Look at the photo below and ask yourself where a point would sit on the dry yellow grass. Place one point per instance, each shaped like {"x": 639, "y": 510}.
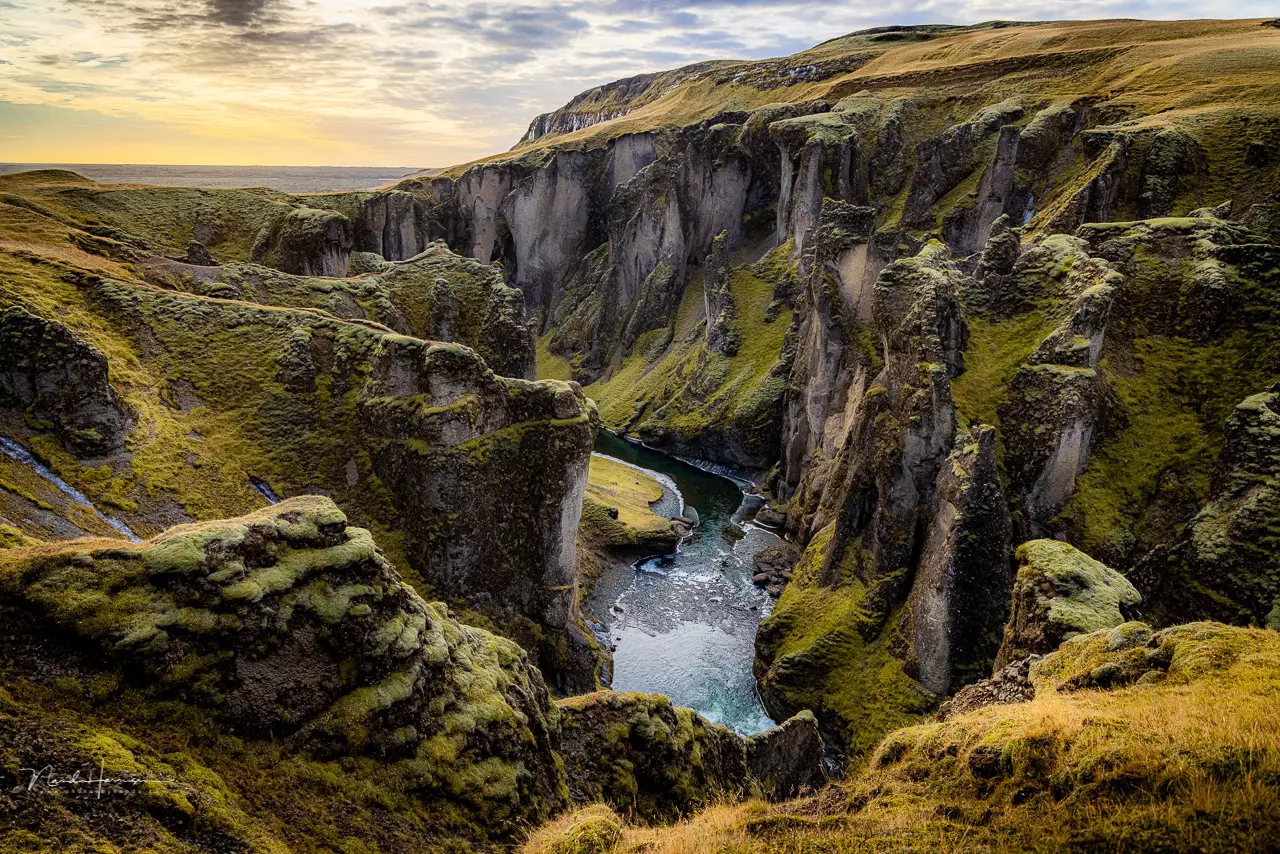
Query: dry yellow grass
{"x": 1189, "y": 761}
{"x": 1159, "y": 70}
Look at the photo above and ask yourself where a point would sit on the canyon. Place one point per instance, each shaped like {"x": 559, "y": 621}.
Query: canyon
{"x": 985, "y": 318}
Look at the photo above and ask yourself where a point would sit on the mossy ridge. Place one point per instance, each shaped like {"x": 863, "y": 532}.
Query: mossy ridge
{"x": 468, "y": 716}
{"x": 640, "y": 754}
{"x": 811, "y": 654}
{"x": 435, "y": 296}
{"x": 1176, "y": 373}
{"x": 165, "y": 219}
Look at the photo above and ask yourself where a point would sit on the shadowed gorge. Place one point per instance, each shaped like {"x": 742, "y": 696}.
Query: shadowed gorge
{"x": 918, "y": 392}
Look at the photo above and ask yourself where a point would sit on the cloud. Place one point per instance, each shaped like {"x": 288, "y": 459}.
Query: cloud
{"x": 420, "y": 81}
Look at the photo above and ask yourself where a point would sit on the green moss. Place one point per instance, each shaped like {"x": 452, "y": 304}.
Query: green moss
{"x": 1086, "y": 595}
{"x": 996, "y": 349}
{"x": 814, "y": 656}
{"x": 672, "y": 384}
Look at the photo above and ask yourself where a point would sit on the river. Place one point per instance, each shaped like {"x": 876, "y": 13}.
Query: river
{"x": 684, "y": 624}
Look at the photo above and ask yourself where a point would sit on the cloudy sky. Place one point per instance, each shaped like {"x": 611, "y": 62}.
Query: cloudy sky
{"x": 394, "y": 82}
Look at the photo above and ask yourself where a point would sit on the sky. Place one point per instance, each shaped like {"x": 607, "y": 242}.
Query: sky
{"x": 415, "y": 83}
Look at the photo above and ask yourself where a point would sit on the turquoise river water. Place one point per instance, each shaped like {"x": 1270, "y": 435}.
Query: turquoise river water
{"x": 684, "y": 624}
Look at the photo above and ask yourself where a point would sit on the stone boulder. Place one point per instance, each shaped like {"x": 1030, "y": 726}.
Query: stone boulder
{"x": 1058, "y": 593}
{"x": 61, "y": 381}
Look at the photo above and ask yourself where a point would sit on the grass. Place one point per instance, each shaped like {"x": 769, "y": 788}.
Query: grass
{"x": 627, "y": 490}
{"x": 549, "y": 365}
{"x": 1187, "y": 761}
{"x": 811, "y": 654}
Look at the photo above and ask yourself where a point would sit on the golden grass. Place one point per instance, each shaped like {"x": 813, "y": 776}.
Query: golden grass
{"x": 1188, "y": 763}
{"x": 629, "y": 491}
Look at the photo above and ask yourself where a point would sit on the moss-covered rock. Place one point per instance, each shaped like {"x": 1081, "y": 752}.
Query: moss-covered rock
{"x": 54, "y": 378}
{"x": 1061, "y": 592}
{"x": 1228, "y": 565}
{"x": 306, "y": 241}
{"x": 643, "y": 756}
{"x": 288, "y": 623}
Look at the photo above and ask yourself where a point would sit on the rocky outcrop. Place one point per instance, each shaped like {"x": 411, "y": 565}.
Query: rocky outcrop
{"x": 787, "y": 760}
{"x": 306, "y": 241}
{"x": 1058, "y": 400}
{"x": 903, "y": 431}
{"x": 773, "y": 567}
{"x": 395, "y": 225}
{"x": 436, "y": 296}
{"x": 836, "y": 355}
{"x": 288, "y": 623}
{"x": 445, "y": 433}
{"x": 722, "y": 336}
{"x": 61, "y": 382}
{"x": 1011, "y": 684}
{"x": 638, "y": 752}
{"x": 1227, "y": 565}
{"x": 1060, "y": 592}
{"x": 960, "y": 595}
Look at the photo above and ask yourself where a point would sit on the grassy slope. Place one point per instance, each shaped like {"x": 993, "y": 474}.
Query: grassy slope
{"x": 671, "y": 383}
{"x": 627, "y": 490}
{"x": 1196, "y": 72}
{"x": 1186, "y": 761}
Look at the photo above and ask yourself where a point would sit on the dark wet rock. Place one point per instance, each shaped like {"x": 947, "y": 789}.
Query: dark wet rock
{"x": 787, "y": 759}
{"x": 1061, "y": 592}
{"x": 771, "y": 518}
{"x": 61, "y": 383}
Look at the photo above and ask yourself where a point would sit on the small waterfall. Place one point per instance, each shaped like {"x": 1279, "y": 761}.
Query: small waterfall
{"x": 16, "y": 452}
{"x": 264, "y": 489}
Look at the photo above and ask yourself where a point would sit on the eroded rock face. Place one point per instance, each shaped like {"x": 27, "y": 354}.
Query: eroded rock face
{"x": 1060, "y": 592}
{"x": 638, "y": 752}
{"x": 306, "y": 241}
{"x": 1228, "y": 567}
{"x": 960, "y": 595}
{"x": 787, "y": 759}
{"x": 718, "y": 300}
{"x": 395, "y": 225}
{"x": 290, "y": 623}
{"x": 446, "y": 433}
{"x": 59, "y": 379}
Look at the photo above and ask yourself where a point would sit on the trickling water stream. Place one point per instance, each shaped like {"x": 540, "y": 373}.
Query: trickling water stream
{"x": 16, "y": 452}
{"x": 684, "y": 624}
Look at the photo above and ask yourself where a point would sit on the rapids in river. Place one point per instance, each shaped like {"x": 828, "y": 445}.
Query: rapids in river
{"x": 684, "y": 624}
